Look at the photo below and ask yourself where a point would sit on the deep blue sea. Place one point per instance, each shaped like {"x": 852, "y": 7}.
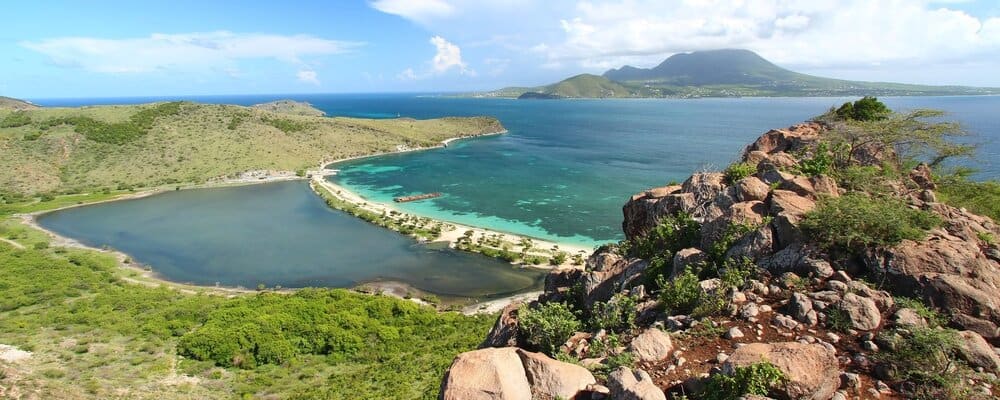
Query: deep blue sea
{"x": 566, "y": 167}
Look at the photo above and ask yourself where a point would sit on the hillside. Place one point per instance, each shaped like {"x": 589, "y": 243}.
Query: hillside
{"x": 290, "y": 107}
{"x": 8, "y": 103}
{"x": 580, "y": 86}
{"x": 822, "y": 265}
{"x": 108, "y": 147}
{"x": 723, "y": 73}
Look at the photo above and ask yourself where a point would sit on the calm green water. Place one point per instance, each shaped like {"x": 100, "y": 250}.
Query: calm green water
{"x": 277, "y": 234}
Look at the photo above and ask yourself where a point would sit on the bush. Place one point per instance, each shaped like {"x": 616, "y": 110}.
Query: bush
{"x": 558, "y": 258}
{"x": 855, "y": 222}
{"x": 682, "y": 294}
{"x": 923, "y": 356}
{"x": 737, "y": 171}
{"x": 867, "y": 109}
{"x": 982, "y": 198}
{"x": 933, "y": 317}
{"x": 15, "y": 119}
{"x": 615, "y": 315}
{"x": 819, "y": 163}
{"x": 754, "y": 379}
{"x": 671, "y": 234}
{"x": 548, "y": 326}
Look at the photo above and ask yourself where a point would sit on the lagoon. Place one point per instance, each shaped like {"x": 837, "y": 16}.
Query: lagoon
{"x": 277, "y": 234}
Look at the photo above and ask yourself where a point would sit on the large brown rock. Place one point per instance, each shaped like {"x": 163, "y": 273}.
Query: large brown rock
{"x": 486, "y": 374}
{"x": 825, "y": 186}
{"x": 626, "y": 384}
{"x": 789, "y": 202}
{"x": 606, "y": 274}
{"x": 788, "y": 140}
{"x": 801, "y": 185}
{"x": 810, "y": 369}
{"x": 974, "y": 349}
{"x": 504, "y": 331}
{"x": 862, "y": 312}
{"x": 552, "y": 379}
{"x": 652, "y": 345}
{"x": 687, "y": 257}
{"x": 755, "y": 245}
{"x": 752, "y": 188}
{"x": 704, "y": 186}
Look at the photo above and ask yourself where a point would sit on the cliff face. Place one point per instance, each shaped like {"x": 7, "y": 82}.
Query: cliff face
{"x": 806, "y": 309}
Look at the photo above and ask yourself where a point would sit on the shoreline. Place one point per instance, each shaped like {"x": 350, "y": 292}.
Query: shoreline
{"x": 148, "y": 277}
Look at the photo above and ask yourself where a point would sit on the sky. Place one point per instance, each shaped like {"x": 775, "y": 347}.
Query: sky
{"x": 52, "y": 49}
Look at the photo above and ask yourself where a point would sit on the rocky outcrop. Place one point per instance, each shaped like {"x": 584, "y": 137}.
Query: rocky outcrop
{"x": 811, "y": 371}
{"x": 803, "y": 310}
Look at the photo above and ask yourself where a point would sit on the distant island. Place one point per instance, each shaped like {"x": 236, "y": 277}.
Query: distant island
{"x": 718, "y": 73}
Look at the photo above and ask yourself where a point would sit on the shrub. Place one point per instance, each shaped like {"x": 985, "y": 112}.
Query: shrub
{"x": 736, "y": 171}
{"x": 819, "y": 163}
{"x": 855, "y": 221}
{"x": 615, "y": 315}
{"x": 837, "y": 319}
{"x": 737, "y": 273}
{"x": 548, "y": 326}
{"x": 682, "y": 294}
{"x": 672, "y": 233}
{"x": 933, "y": 317}
{"x": 558, "y": 258}
{"x": 923, "y": 356}
{"x": 15, "y": 119}
{"x": 733, "y": 232}
{"x": 754, "y": 379}
{"x": 982, "y": 198}
{"x": 867, "y": 109}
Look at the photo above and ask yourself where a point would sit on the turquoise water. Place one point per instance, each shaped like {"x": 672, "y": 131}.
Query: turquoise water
{"x": 565, "y": 168}
{"x": 277, "y": 234}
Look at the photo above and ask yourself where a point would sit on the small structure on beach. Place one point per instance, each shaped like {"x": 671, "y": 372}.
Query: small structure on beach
{"x": 406, "y": 199}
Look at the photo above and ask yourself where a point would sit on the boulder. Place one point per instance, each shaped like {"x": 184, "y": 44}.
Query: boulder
{"x": 686, "y": 257}
{"x": 974, "y": 349}
{"x": 652, "y": 345}
{"x": 504, "y": 331}
{"x": 607, "y": 274}
{"x": 626, "y": 384}
{"x": 788, "y": 140}
{"x": 801, "y": 185}
{"x": 825, "y": 186}
{"x": 554, "y": 379}
{"x": 559, "y": 282}
{"x": 810, "y": 369}
{"x": 862, "y": 312}
{"x": 791, "y": 203}
{"x": 923, "y": 177}
{"x": 782, "y": 160}
{"x": 755, "y": 245}
{"x": 988, "y": 330}
{"x": 486, "y": 374}
{"x": 799, "y": 307}
{"x": 752, "y": 188}
{"x": 704, "y": 186}
{"x": 908, "y": 317}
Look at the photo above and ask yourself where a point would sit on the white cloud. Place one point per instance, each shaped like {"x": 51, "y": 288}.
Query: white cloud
{"x": 794, "y": 32}
{"x": 448, "y": 56}
{"x": 308, "y": 76}
{"x": 408, "y": 75}
{"x": 420, "y": 11}
{"x": 220, "y": 51}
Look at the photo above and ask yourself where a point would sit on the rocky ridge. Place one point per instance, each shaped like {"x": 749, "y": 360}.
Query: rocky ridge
{"x": 814, "y": 316}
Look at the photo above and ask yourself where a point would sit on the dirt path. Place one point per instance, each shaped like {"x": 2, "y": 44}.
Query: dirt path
{"x": 12, "y": 243}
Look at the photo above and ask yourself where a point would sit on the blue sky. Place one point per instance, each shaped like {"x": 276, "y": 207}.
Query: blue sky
{"x": 127, "y": 48}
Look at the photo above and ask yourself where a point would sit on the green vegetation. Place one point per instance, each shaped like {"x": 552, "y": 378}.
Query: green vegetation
{"x": 856, "y": 221}
{"x": 681, "y": 294}
{"x": 866, "y": 109}
{"x": 819, "y": 163}
{"x": 737, "y": 171}
{"x": 95, "y": 334}
{"x": 547, "y": 326}
{"x": 982, "y": 198}
{"x": 580, "y": 86}
{"x": 615, "y": 315}
{"x": 78, "y": 150}
{"x": 927, "y": 358}
{"x": 754, "y": 379}
{"x": 934, "y": 318}
{"x": 15, "y": 119}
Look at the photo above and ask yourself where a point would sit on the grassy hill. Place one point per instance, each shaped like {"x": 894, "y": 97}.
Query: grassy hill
{"x": 76, "y": 149}
{"x": 581, "y": 86}
{"x": 722, "y": 73}
{"x": 290, "y": 107}
{"x": 7, "y": 103}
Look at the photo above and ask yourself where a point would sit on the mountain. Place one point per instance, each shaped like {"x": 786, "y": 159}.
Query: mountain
{"x": 10, "y": 103}
{"x": 719, "y": 73}
{"x": 716, "y": 67}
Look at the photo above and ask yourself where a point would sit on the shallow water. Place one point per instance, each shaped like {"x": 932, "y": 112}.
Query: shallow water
{"x": 277, "y": 234}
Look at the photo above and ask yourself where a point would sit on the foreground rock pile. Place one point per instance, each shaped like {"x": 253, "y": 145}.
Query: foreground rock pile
{"x": 809, "y": 315}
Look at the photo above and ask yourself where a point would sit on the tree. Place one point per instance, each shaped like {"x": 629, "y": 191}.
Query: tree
{"x": 910, "y": 136}
{"x": 866, "y": 109}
